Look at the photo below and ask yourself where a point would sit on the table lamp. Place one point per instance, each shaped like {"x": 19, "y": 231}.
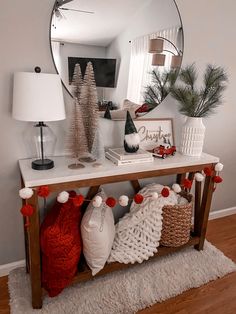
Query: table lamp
{"x": 38, "y": 97}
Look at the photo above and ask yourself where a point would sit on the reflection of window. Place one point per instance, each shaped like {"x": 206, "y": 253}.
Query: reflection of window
{"x": 141, "y": 60}
{"x": 56, "y": 54}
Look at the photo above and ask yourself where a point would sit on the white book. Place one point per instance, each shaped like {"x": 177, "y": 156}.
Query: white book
{"x": 121, "y": 154}
{"x": 128, "y": 161}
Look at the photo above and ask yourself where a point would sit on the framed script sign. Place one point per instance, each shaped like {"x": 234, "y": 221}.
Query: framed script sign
{"x": 154, "y": 132}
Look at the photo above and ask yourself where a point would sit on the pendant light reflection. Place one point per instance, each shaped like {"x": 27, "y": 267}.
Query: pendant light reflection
{"x": 156, "y": 46}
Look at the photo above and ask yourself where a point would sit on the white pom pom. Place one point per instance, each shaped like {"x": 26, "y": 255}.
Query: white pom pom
{"x": 123, "y": 200}
{"x": 97, "y": 201}
{"x": 154, "y": 195}
{"x": 199, "y": 177}
{"x": 176, "y": 188}
{"x": 26, "y": 193}
{"x": 219, "y": 166}
{"x": 63, "y": 197}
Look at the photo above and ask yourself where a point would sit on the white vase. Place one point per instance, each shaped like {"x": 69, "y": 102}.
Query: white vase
{"x": 193, "y": 133}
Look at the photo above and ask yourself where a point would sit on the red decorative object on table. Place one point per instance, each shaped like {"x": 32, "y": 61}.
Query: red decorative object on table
{"x": 164, "y": 150}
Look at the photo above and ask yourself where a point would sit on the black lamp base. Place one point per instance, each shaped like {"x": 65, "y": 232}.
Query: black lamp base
{"x": 42, "y": 164}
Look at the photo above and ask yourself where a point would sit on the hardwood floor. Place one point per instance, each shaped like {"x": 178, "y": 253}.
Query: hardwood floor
{"x": 218, "y": 297}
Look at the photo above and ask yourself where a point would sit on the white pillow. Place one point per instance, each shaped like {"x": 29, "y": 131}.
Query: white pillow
{"x": 98, "y": 232}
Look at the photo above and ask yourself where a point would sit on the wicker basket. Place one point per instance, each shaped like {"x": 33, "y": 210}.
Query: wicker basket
{"x": 176, "y": 223}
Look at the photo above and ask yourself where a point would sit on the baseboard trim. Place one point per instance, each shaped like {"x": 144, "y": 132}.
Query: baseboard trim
{"x": 6, "y": 268}
{"x": 222, "y": 213}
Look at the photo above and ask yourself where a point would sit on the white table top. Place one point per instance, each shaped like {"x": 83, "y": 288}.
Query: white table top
{"x": 61, "y": 173}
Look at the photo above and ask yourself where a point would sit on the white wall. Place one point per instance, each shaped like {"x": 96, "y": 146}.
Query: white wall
{"x": 209, "y": 28}
{"x": 147, "y": 21}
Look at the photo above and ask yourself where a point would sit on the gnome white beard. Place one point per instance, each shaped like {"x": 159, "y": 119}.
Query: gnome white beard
{"x": 132, "y": 140}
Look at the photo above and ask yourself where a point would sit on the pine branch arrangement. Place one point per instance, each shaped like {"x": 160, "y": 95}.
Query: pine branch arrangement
{"x": 160, "y": 86}
{"x": 200, "y": 102}
{"x": 89, "y": 105}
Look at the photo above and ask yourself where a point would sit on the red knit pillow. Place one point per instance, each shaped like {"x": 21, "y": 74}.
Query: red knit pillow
{"x": 61, "y": 246}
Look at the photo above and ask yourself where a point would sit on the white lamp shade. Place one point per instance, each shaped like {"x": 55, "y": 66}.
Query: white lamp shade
{"x": 38, "y": 97}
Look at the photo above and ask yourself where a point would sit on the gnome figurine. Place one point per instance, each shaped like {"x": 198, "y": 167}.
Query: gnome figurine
{"x": 132, "y": 139}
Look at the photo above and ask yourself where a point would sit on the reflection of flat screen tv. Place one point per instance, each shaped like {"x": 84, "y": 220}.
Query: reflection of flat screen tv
{"x": 104, "y": 70}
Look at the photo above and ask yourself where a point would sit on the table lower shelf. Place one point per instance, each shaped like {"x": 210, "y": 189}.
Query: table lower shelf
{"x": 86, "y": 274}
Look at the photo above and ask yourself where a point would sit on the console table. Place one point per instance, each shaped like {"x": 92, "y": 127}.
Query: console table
{"x": 61, "y": 178}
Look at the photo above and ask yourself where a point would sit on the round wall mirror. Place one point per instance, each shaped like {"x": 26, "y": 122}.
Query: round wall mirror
{"x": 135, "y": 46}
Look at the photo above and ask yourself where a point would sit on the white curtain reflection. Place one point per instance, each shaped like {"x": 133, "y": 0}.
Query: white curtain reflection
{"x": 141, "y": 60}
{"x": 56, "y": 47}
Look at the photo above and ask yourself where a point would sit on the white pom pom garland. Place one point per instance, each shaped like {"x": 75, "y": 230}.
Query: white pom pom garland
{"x": 176, "y": 188}
{"x": 154, "y": 195}
{"x": 123, "y": 200}
{"x": 219, "y": 167}
{"x": 97, "y": 201}
{"x": 63, "y": 197}
{"x": 199, "y": 177}
{"x": 26, "y": 193}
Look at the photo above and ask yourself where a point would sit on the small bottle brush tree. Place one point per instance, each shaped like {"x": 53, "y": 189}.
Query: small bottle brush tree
{"x": 98, "y": 150}
{"x": 89, "y": 105}
{"x": 199, "y": 102}
{"x": 160, "y": 87}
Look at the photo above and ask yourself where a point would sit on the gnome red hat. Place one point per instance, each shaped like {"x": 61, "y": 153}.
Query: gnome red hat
{"x": 132, "y": 139}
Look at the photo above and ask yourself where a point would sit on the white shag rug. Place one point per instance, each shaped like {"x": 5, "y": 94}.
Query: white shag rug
{"x": 129, "y": 290}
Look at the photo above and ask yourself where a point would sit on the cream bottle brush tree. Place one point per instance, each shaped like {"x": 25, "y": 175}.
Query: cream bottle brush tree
{"x": 89, "y": 105}
{"x": 76, "y": 142}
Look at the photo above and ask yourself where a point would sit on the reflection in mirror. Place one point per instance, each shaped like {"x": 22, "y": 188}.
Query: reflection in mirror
{"x": 126, "y": 41}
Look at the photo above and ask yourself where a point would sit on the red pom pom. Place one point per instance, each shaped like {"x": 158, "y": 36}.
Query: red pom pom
{"x": 217, "y": 179}
{"x": 111, "y": 202}
{"x": 78, "y": 200}
{"x": 187, "y": 183}
{"x": 165, "y": 192}
{"x": 27, "y": 210}
{"x": 138, "y": 198}
{"x": 208, "y": 171}
{"x": 43, "y": 191}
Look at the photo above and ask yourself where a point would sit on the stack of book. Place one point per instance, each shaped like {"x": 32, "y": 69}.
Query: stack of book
{"x": 120, "y": 157}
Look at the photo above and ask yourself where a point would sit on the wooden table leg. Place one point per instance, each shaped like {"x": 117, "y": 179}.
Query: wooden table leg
{"x": 26, "y": 241}
{"x": 204, "y": 212}
{"x": 197, "y": 207}
{"x": 180, "y": 178}
{"x": 34, "y": 246}
{"x": 136, "y": 186}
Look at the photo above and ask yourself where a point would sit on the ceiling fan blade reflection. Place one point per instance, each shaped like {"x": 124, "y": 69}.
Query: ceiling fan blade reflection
{"x": 62, "y": 2}
{"x": 82, "y": 11}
